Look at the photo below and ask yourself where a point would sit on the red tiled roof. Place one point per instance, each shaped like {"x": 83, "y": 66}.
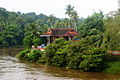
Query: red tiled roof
{"x": 61, "y": 32}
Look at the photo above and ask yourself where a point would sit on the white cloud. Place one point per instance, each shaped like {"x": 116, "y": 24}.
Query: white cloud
{"x": 57, "y": 7}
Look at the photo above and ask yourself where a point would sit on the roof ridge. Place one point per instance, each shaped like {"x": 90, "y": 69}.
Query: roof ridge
{"x": 61, "y": 28}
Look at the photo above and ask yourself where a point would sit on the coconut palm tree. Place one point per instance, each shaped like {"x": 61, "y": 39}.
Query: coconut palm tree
{"x": 73, "y": 16}
{"x": 68, "y": 12}
{"x": 75, "y": 19}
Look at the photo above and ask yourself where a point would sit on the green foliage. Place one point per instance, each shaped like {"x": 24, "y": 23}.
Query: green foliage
{"x": 111, "y": 38}
{"x": 93, "y": 60}
{"x": 10, "y": 35}
{"x": 74, "y": 52}
{"x": 37, "y": 42}
{"x": 73, "y": 17}
{"x": 14, "y": 27}
{"x": 55, "y": 52}
{"x": 22, "y": 54}
{"x": 28, "y": 41}
{"x": 32, "y": 32}
{"x": 33, "y": 56}
{"x": 82, "y": 55}
{"x": 96, "y": 32}
{"x": 76, "y": 55}
{"x": 102, "y": 31}
{"x": 42, "y": 58}
{"x": 112, "y": 67}
{"x": 93, "y": 28}
{"x": 93, "y": 24}
{"x": 74, "y": 60}
{"x": 10, "y": 32}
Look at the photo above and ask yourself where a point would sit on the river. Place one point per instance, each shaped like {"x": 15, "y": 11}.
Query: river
{"x": 13, "y": 69}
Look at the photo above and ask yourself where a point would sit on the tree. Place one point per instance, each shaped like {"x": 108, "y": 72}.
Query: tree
{"x": 93, "y": 28}
{"x": 73, "y": 16}
{"x": 10, "y": 35}
{"x": 75, "y": 19}
{"x": 69, "y": 11}
{"x": 32, "y": 35}
{"x": 112, "y": 32}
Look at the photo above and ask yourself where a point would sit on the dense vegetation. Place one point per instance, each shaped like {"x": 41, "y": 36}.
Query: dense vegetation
{"x": 69, "y": 54}
{"x": 24, "y": 29}
{"x": 74, "y": 55}
{"x": 97, "y": 33}
{"x": 14, "y": 27}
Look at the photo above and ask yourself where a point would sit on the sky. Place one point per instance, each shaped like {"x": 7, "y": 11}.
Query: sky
{"x": 57, "y": 7}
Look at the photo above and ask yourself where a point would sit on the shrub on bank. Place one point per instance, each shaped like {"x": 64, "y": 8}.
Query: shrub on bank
{"x": 42, "y": 58}
{"x": 93, "y": 60}
{"x": 22, "y": 54}
{"x": 55, "y": 53}
{"x": 31, "y": 55}
{"x": 76, "y": 55}
{"x": 86, "y": 58}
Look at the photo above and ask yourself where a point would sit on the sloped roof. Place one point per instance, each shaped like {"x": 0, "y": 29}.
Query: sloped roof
{"x": 61, "y": 32}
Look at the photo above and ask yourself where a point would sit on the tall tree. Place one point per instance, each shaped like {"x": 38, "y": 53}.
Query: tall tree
{"x": 93, "y": 28}
{"x": 112, "y": 32}
{"x": 73, "y": 16}
{"x": 75, "y": 19}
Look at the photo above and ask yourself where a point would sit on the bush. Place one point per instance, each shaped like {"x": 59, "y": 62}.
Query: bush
{"x": 74, "y": 52}
{"x": 33, "y": 56}
{"x": 42, "y": 58}
{"x": 50, "y": 52}
{"x": 22, "y": 54}
{"x": 76, "y": 55}
{"x": 93, "y": 60}
{"x": 55, "y": 52}
{"x": 74, "y": 61}
{"x": 59, "y": 59}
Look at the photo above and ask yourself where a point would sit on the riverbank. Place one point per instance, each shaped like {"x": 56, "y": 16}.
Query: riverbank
{"x": 37, "y": 56}
{"x": 73, "y": 55}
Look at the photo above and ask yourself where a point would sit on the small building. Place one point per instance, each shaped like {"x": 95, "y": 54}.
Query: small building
{"x": 53, "y": 33}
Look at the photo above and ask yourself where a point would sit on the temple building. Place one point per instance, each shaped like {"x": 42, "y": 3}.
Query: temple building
{"x": 53, "y": 33}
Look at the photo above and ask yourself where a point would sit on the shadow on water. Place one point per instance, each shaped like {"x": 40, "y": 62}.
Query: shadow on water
{"x": 13, "y": 69}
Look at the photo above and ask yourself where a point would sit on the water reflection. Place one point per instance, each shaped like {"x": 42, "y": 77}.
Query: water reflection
{"x": 13, "y": 69}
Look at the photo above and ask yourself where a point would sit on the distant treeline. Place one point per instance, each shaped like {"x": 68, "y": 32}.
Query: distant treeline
{"x": 100, "y": 30}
